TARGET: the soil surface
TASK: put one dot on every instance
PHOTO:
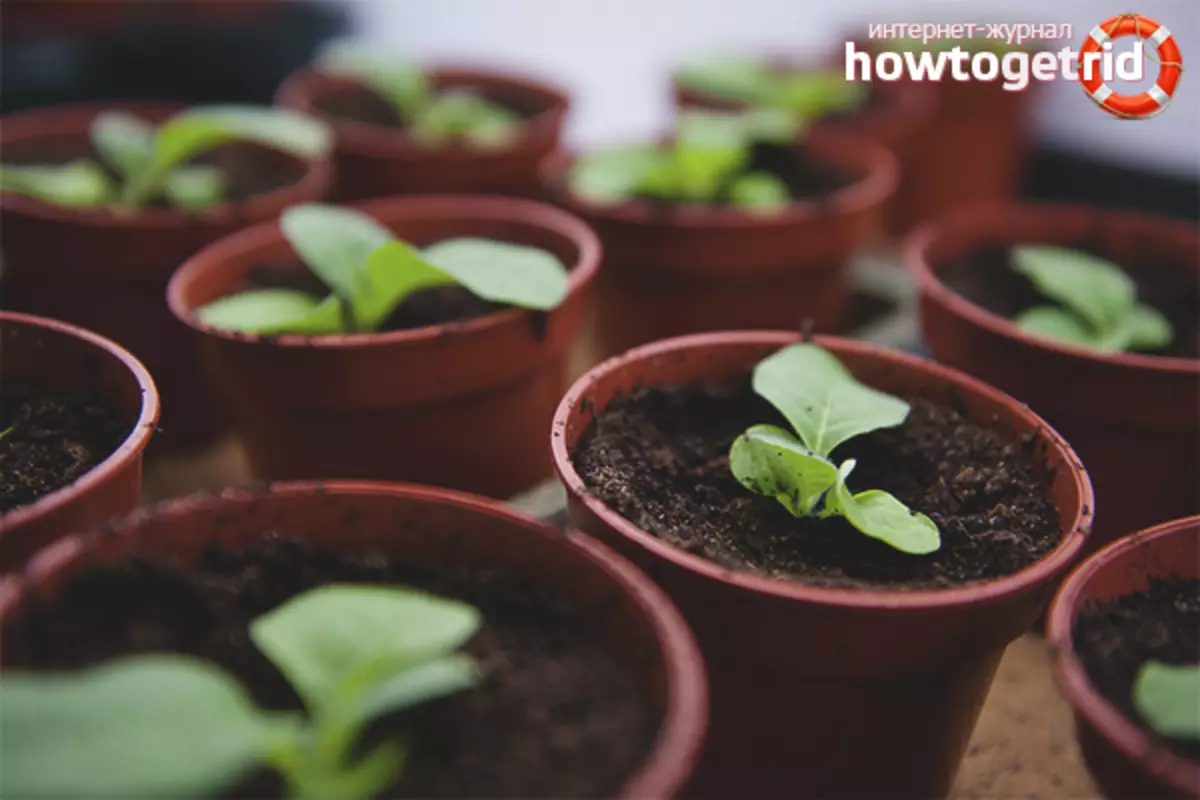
(360, 104)
(1114, 639)
(986, 277)
(54, 439)
(659, 457)
(555, 716)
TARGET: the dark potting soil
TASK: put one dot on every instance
(986, 278)
(1113, 641)
(659, 457)
(54, 439)
(555, 715)
(363, 105)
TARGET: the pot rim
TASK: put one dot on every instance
(73, 119)
(119, 459)
(1120, 732)
(466, 207)
(983, 592)
(676, 748)
(915, 253)
(869, 189)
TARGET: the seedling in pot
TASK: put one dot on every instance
(1167, 696)
(153, 163)
(160, 725)
(807, 94)
(431, 117)
(825, 406)
(1097, 302)
(370, 272)
(706, 162)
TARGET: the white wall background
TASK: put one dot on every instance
(614, 55)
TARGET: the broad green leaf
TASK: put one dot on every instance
(738, 79)
(417, 684)
(1167, 696)
(1095, 289)
(196, 186)
(770, 461)
(810, 95)
(79, 184)
(125, 142)
(334, 243)
(401, 83)
(336, 642)
(615, 174)
(393, 272)
(881, 516)
(1050, 322)
(1143, 328)
(502, 272)
(464, 113)
(150, 726)
(772, 125)
(720, 130)
(759, 191)
(821, 399)
(274, 311)
(709, 148)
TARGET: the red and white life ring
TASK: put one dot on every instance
(1150, 102)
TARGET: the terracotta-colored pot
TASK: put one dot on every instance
(379, 161)
(820, 692)
(107, 273)
(52, 355)
(1132, 418)
(1126, 762)
(441, 529)
(672, 271)
(465, 404)
(899, 117)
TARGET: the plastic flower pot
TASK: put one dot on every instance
(1131, 417)
(52, 355)
(464, 404)
(107, 273)
(378, 161)
(1126, 762)
(677, 270)
(899, 116)
(848, 693)
(436, 529)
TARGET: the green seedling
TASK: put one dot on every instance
(430, 117)
(370, 272)
(155, 726)
(706, 162)
(808, 94)
(1167, 696)
(6, 432)
(825, 406)
(1098, 305)
(153, 163)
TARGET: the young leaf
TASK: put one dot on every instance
(1143, 328)
(465, 113)
(194, 187)
(125, 142)
(79, 184)
(810, 95)
(400, 83)
(274, 311)
(7, 431)
(1056, 324)
(501, 272)
(393, 272)
(1167, 696)
(881, 516)
(616, 174)
(821, 399)
(149, 726)
(1095, 289)
(334, 243)
(770, 461)
(759, 191)
(417, 684)
(739, 79)
(335, 642)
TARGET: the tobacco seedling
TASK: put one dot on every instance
(165, 725)
(825, 406)
(1167, 696)
(153, 163)
(1098, 306)
(370, 272)
(706, 162)
(431, 117)
(807, 94)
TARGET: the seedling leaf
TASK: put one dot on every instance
(195, 187)
(615, 174)
(335, 243)
(759, 190)
(739, 79)
(125, 142)
(501, 272)
(821, 399)
(274, 311)
(881, 516)
(418, 684)
(465, 113)
(148, 726)
(1095, 289)
(1167, 696)
(399, 82)
(1056, 324)
(393, 272)
(79, 184)
(811, 95)
(770, 461)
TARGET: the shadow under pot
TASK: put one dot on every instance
(588, 684)
(1130, 416)
(377, 158)
(860, 669)
(1135, 601)
(673, 269)
(461, 399)
(76, 412)
(107, 272)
